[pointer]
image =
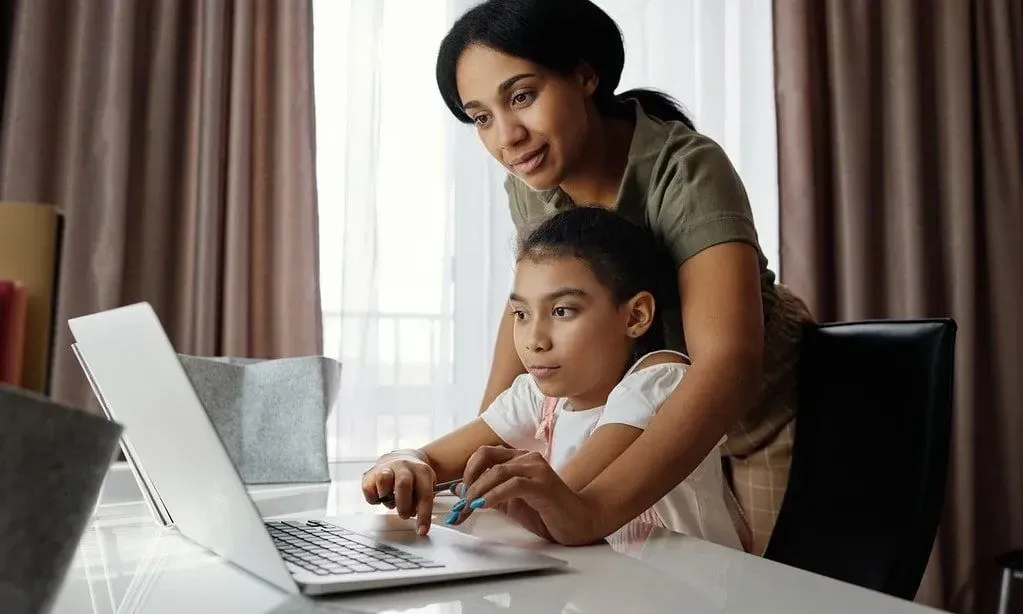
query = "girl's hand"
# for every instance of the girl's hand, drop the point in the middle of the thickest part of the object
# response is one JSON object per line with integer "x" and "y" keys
{"x": 410, "y": 480}
{"x": 525, "y": 486}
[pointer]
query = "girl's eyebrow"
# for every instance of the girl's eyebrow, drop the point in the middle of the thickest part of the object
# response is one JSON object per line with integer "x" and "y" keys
{"x": 553, "y": 296}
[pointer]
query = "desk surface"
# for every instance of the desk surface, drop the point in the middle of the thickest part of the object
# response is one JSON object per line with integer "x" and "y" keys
{"x": 127, "y": 563}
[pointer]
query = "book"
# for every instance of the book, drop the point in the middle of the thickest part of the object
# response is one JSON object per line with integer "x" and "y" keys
{"x": 13, "y": 324}
{"x": 6, "y": 298}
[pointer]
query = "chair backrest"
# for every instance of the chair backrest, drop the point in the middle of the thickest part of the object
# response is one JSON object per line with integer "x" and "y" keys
{"x": 867, "y": 482}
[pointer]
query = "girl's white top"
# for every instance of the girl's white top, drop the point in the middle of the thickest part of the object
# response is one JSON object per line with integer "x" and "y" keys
{"x": 697, "y": 506}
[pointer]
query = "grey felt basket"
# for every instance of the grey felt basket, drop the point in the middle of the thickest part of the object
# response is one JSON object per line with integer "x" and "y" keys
{"x": 270, "y": 414}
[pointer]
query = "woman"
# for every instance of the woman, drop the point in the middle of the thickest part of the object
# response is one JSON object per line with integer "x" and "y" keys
{"x": 537, "y": 79}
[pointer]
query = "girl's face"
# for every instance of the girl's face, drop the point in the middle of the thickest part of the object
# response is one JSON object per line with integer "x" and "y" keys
{"x": 570, "y": 333}
{"x": 532, "y": 120}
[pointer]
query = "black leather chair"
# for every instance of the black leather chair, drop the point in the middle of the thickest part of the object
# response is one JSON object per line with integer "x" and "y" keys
{"x": 867, "y": 483}
{"x": 1012, "y": 569}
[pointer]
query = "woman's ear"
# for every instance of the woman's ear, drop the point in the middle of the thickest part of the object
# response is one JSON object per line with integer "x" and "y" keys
{"x": 587, "y": 77}
{"x": 640, "y": 310}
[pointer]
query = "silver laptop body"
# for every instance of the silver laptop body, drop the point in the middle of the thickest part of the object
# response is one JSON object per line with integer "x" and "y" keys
{"x": 190, "y": 482}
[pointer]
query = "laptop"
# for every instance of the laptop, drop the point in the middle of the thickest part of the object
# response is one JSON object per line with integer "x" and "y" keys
{"x": 190, "y": 481}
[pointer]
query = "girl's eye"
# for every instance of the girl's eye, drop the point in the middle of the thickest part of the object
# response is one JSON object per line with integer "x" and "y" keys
{"x": 563, "y": 312}
{"x": 518, "y": 314}
{"x": 481, "y": 119}
{"x": 522, "y": 98}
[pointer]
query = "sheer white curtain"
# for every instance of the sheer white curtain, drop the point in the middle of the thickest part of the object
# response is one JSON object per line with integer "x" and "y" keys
{"x": 416, "y": 240}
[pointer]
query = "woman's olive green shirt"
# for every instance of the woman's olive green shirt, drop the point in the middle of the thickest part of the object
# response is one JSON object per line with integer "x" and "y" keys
{"x": 681, "y": 186}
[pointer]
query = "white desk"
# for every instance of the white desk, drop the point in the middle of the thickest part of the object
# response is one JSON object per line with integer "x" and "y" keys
{"x": 127, "y": 563}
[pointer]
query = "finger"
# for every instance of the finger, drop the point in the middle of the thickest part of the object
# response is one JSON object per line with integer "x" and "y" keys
{"x": 424, "y": 494}
{"x": 384, "y": 482}
{"x": 484, "y": 458}
{"x": 459, "y": 513}
{"x": 369, "y": 486}
{"x": 404, "y": 482}
{"x": 476, "y": 496}
{"x": 530, "y": 465}
{"x": 514, "y": 488}
{"x": 511, "y": 489}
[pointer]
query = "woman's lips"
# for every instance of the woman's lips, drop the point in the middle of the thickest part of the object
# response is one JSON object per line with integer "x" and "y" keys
{"x": 530, "y": 163}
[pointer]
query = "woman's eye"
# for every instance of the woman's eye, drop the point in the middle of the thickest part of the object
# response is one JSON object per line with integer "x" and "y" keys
{"x": 518, "y": 314}
{"x": 522, "y": 98}
{"x": 481, "y": 119}
{"x": 563, "y": 312}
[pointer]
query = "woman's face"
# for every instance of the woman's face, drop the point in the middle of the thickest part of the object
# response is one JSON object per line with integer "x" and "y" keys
{"x": 532, "y": 120}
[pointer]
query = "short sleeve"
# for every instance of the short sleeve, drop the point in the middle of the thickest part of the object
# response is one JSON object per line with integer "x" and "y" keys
{"x": 516, "y": 202}
{"x": 639, "y": 395}
{"x": 515, "y": 414}
{"x": 697, "y": 199}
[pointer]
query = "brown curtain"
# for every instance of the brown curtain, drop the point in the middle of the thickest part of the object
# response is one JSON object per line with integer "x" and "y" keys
{"x": 901, "y": 170}
{"x": 177, "y": 136}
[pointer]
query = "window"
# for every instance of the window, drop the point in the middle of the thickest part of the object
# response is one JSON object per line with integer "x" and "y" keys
{"x": 416, "y": 240}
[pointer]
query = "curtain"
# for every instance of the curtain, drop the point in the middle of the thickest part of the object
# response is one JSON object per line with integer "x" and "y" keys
{"x": 416, "y": 239}
{"x": 178, "y": 139}
{"x": 6, "y": 26}
{"x": 900, "y": 128}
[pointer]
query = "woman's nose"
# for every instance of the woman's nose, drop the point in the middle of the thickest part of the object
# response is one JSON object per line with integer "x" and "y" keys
{"x": 510, "y": 131}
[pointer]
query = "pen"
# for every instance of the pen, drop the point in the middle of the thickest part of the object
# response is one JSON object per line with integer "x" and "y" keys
{"x": 389, "y": 498}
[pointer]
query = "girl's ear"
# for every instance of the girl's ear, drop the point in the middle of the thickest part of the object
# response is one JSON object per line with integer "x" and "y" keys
{"x": 640, "y": 310}
{"x": 587, "y": 78}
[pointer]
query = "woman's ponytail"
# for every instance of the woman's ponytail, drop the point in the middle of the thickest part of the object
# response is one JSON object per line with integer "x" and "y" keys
{"x": 657, "y": 104}
{"x": 558, "y": 35}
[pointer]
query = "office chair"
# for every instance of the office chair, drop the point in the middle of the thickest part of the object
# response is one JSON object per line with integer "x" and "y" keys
{"x": 1012, "y": 569}
{"x": 871, "y": 448}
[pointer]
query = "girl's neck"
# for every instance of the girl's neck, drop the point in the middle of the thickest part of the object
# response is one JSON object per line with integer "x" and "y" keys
{"x": 602, "y": 166}
{"x": 589, "y": 399}
{"x": 598, "y": 395}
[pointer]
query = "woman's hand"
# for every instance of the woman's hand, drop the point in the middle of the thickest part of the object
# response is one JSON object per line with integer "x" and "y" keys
{"x": 410, "y": 480}
{"x": 527, "y": 488}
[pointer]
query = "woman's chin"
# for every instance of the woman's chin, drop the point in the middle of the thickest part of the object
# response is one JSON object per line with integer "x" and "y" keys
{"x": 541, "y": 182}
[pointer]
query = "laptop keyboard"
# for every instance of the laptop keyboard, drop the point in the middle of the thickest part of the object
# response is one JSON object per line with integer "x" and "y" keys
{"x": 328, "y": 550}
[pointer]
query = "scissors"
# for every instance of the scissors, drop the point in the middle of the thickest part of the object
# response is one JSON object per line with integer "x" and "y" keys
{"x": 437, "y": 488}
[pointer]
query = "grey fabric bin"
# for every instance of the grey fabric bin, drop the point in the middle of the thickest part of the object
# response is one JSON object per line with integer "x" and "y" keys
{"x": 270, "y": 414}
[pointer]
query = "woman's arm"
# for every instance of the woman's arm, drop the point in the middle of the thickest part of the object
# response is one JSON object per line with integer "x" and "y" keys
{"x": 722, "y": 315}
{"x": 506, "y": 365}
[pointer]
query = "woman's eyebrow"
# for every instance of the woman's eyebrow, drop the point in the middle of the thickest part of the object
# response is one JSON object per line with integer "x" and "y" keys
{"x": 506, "y": 85}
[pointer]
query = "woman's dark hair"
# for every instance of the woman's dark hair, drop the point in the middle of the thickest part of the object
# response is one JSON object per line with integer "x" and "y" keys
{"x": 622, "y": 256}
{"x": 558, "y": 35}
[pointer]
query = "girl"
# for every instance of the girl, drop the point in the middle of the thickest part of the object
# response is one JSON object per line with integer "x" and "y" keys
{"x": 537, "y": 79}
{"x": 586, "y": 324}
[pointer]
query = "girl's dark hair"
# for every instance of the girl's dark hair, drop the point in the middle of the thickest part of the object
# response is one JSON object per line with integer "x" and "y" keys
{"x": 558, "y": 35}
{"x": 623, "y": 257}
